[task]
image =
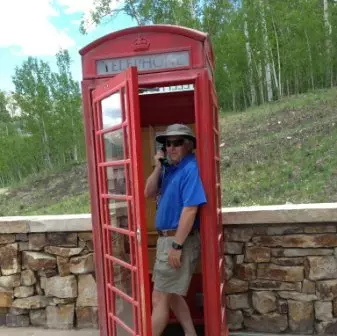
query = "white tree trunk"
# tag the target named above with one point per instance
(250, 67)
(266, 50)
(328, 43)
(310, 61)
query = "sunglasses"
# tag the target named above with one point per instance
(175, 143)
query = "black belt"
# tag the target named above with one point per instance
(172, 233)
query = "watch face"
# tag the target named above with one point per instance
(177, 246)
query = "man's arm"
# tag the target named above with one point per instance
(185, 225)
(152, 183)
(151, 186)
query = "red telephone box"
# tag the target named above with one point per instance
(136, 82)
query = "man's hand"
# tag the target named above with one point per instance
(174, 258)
(159, 155)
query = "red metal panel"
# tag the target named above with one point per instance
(97, 238)
(108, 202)
(209, 214)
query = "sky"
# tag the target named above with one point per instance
(40, 28)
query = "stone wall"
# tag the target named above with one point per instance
(281, 270)
(47, 278)
(281, 277)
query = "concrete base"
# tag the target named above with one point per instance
(44, 332)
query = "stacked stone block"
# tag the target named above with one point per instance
(47, 280)
(282, 278)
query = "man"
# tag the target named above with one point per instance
(180, 191)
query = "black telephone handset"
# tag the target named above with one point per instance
(163, 160)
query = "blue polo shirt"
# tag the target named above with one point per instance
(180, 186)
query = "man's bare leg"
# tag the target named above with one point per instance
(180, 309)
(160, 312)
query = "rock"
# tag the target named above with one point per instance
(320, 268)
(87, 317)
(63, 239)
(10, 281)
(61, 317)
(9, 259)
(269, 323)
(7, 239)
(228, 273)
(264, 302)
(272, 285)
(61, 287)
(21, 237)
(309, 287)
(23, 246)
(57, 301)
(277, 230)
(237, 301)
(63, 266)
(297, 296)
(63, 251)
(327, 328)
(87, 291)
(33, 302)
(257, 254)
(282, 306)
(245, 271)
(18, 311)
(6, 296)
(301, 316)
(23, 291)
(82, 265)
(14, 226)
(234, 319)
(297, 240)
(236, 286)
(233, 248)
(228, 262)
(277, 252)
(85, 236)
(238, 234)
(2, 319)
(320, 228)
(17, 320)
(323, 311)
(280, 273)
(47, 273)
(38, 289)
(37, 241)
(38, 317)
(288, 261)
(326, 289)
(38, 261)
(28, 278)
(238, 259)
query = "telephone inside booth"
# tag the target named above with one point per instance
(136, 82)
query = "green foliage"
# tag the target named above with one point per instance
(281, 152)
(47, 131)
(265, 49)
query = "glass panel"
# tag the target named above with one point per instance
(124, 311)
(114, 145)
(115, 179)
(111, 110)
(118, 212)
(123, 279)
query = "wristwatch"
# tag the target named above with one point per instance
(176, 246)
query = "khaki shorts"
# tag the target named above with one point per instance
(171, 280)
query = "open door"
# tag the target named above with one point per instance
(121, 216)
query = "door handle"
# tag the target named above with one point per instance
(139, 237)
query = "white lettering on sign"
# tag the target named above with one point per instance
(171, 60)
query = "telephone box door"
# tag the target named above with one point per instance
(121, 205)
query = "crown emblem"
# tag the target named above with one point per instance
(140, 44)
